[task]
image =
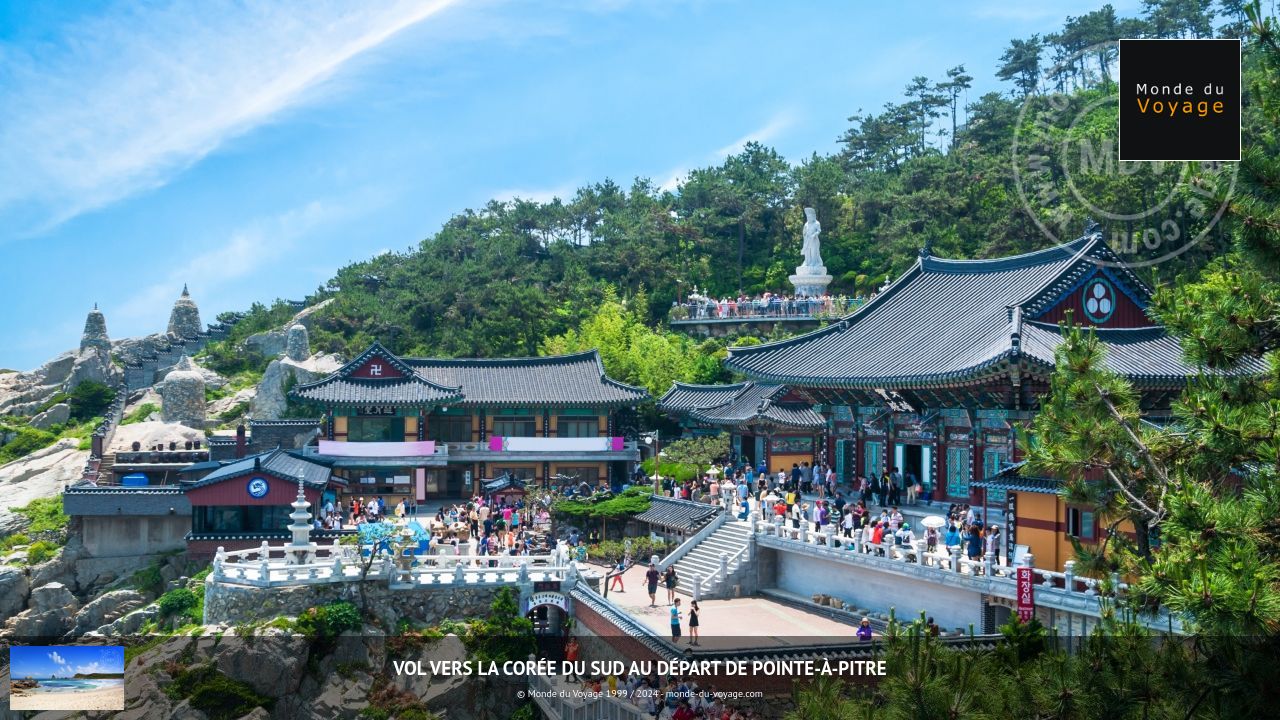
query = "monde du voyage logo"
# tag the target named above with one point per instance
(1180, 100)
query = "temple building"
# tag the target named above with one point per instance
(766, 422)
(941, 373)
(240, 504)
(418, 428)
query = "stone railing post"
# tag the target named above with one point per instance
(988, 559)
(777, 525)
(264, 570)
(921, 547)
(755, 523)
(218, 558)
(524, 572)
(804, 532)
(830, 532)
(1115, 584)
(459, 575)
(264, 550)
(955, 559)
(1069, 576)
(696, 587)
(724, 567)
(336, 572)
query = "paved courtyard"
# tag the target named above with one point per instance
(735, 623)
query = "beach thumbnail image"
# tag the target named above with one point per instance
(66, 677)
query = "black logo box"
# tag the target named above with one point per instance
(1186, 69)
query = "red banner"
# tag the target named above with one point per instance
(1026, 595)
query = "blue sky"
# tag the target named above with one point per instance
(252, 149)
(64, 660)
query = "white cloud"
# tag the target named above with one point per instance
(94, 667)
(772, 128)
(246, 251)
(56, 658)
(128, 100)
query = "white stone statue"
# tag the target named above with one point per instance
(811, 278)
(812, 247)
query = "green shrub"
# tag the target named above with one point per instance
(328, 621)
(215, 694)
(44, 514)
(90, 398)
(641, 548)
(14, 540)
(41, 551)
(177, 601)
(148, 579)
(26, 441)
(140, 413)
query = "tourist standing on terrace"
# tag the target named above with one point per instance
(993, 542)
(669, 579)
(974, 543)
(652, 577)
(675, 621)
(693, 622)
(864, 630)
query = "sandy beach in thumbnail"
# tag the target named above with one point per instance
(108, 698)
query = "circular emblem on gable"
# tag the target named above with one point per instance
(1099, 300)
(258, 487)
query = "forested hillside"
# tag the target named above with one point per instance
(931, 170)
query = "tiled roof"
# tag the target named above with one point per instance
(945, 321)
(280, 463)
(407, 391)
(1140, 353)
(683, 397)
(673, 513)
(83, 500)
(341, 388)
(755, 405)
(1011, 478)
(556, 380)
(739, 405)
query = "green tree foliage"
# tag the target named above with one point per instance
(90, 398)
(633, 353)
(697, 453)
(1116, 674)
(503, 635)
(628, 503)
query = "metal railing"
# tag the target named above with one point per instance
(561, 700)
(761, 309)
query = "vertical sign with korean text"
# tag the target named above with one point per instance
(1026, 596)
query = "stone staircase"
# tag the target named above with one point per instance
(704, 560)
(104, 468)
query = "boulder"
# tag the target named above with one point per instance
(13, 591)
(93, 363)
(151, 433)
(54, 623)
(38, 475)
(107, 608)
(226, 404)
(57, 415)
(270, 401)
(129, 624)
(53, 596)
(273, 665)
(270, 343)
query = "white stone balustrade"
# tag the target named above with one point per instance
(277, 566)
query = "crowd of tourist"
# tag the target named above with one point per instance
(766, 305)
(748, 492)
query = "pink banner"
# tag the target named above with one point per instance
(563, 445)
(1026, 595)
(495, 444)
(377, 449)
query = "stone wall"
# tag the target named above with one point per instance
(109, 537)
(239, 604)
(952, 607)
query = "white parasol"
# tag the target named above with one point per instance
(934, 521)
